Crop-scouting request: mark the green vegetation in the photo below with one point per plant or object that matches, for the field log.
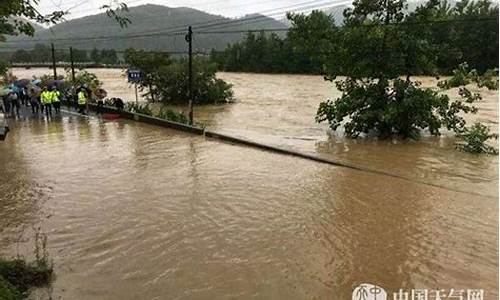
(138, 108)
(164, 113)
(167, 79)
(25, 10)
(42, 53)
(4, 68)
(149, 63)
(83, 77)
(467, 31)
(306, 48)
(463, 76)
(380, 44)
(474, 140)
(17, 276)
(173, 116)
(172, 83)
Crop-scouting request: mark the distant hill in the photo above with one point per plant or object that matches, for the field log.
(95, 31)
(36, 26)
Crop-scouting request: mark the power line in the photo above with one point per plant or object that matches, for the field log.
(172, 29)
(112, 37)
(433, 22)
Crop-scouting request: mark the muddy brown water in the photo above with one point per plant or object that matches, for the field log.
(133, 211)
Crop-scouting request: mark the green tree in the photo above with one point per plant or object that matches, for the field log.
(381, 43)
(109, 57)
(167, 79)
(314, 38)
(149, 62)
(172, 83)
(26, 11)
(80, 55)
(471, 35)
(21, 55)
(41, 53)
(95, 56)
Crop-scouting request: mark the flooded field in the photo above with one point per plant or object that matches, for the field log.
(134, 211)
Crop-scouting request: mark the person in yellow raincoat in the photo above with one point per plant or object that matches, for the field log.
(46, 99)
(56, 99)
(82, 100)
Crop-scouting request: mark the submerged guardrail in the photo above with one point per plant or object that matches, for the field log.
(242, 141)
(215, 135)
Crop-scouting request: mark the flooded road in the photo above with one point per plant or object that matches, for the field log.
(134, 211)
(279, 110)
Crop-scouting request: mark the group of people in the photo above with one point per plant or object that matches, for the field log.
(43, 99)
(12, 102)
(49, 97)
(46, 98)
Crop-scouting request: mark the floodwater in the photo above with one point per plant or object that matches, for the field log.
(280, 110)
(133, 211)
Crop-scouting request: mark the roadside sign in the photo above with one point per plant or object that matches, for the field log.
(134, 75)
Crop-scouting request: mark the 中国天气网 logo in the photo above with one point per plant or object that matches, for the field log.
(368, 291)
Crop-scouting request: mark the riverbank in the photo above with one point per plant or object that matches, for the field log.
(17, 277)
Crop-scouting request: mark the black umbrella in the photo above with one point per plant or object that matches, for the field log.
(22, 82)
(53, 82)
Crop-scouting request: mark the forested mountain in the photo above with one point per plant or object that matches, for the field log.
(36, 26)
(99, 31)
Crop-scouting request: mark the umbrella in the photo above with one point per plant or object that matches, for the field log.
(14, 88)
(53, 82)
(36, 81)
(22, 83)
(5, 91)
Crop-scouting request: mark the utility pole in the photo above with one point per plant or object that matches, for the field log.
(54, 61)
(72, 63)
(136, 94)
(189, 39)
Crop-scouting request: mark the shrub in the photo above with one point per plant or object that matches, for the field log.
(83, 77)
(473, 140)
(17, 276)
(173, 116)
(139, 108)
(462, 76)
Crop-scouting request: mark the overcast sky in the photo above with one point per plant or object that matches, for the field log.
(229, 8)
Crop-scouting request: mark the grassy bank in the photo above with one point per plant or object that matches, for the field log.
(17, 277)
